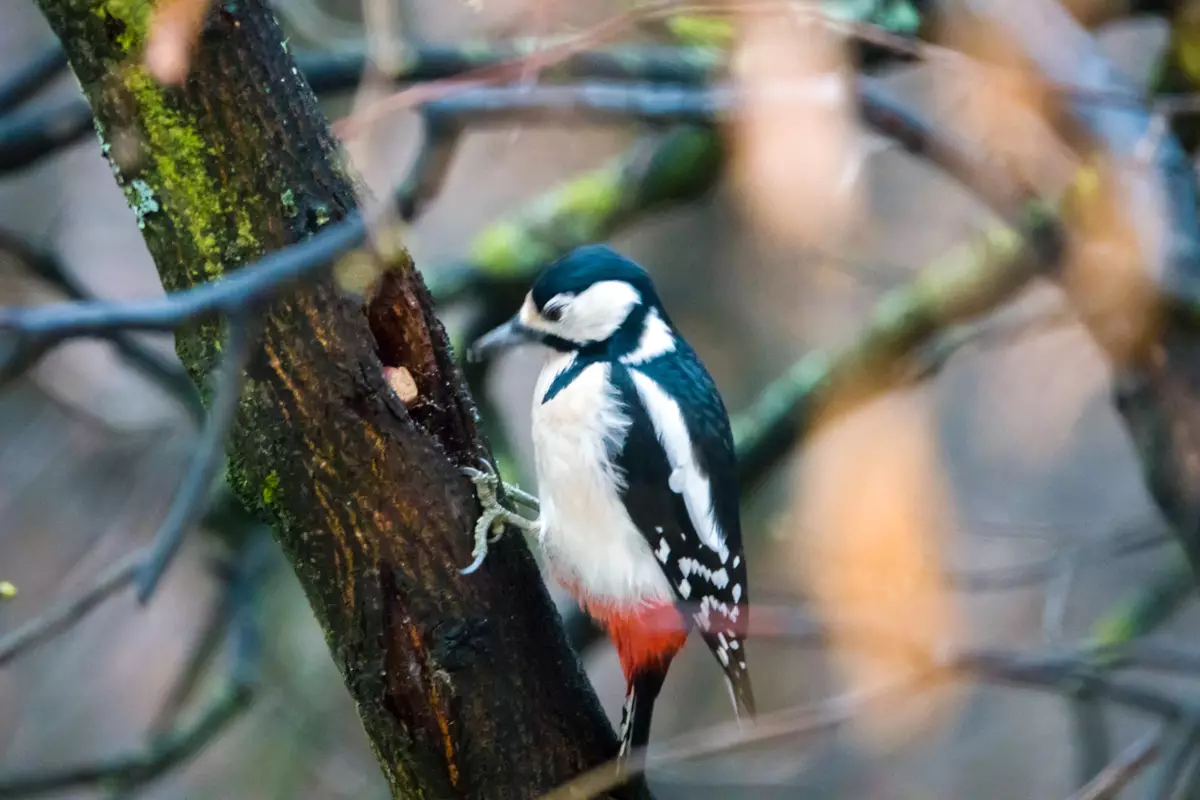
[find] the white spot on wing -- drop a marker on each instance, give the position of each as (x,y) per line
(718,578)
(656,340)
(664,549)
(685,589)
(693,483)
(737,593)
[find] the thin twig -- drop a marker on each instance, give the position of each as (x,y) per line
(28,135)
(807,720)
(32,77)
(186,738)
(167,373)
(70,610)
(1093,737)
(1174,760)
(440,139)
(191,499)
(1109,782)
(237,292)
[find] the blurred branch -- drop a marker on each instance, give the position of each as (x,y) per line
(29,135)
(961,285)
(672,168)
(1093,737)
(167,373)
(680,166)
(72,609)
(932,665)
(339,71)
(253,554)
(1109,782)
(186,738)
(1150,606)
(1182,746)
(141,766)
(192,496)
(439,141)
(32,77)
(1136,283)
(805,720)
(238,292)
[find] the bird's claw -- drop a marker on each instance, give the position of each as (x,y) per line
(490,525)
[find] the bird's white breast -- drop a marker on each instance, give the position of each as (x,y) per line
(588,536)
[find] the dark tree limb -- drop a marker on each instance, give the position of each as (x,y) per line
(1109,782)
(1137,231)
(440,137)
(466,686)
(32,77)
(192,497)
(71,609)
(166,372)
(29,135)
(183,738)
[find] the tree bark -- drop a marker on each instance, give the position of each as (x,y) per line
(465,684)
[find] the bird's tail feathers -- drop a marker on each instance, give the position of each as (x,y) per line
(742,694)
(641,690)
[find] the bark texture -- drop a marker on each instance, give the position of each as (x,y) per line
(465,684)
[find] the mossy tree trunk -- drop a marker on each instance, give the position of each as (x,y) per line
(465,685)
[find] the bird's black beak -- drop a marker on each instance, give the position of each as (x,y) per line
(508,335)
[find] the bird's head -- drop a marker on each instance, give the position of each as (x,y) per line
(592,296)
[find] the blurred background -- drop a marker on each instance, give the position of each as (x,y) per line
(1012,455)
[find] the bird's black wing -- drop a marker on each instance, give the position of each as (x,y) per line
(709,581)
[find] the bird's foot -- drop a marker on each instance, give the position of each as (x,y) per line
(495,516)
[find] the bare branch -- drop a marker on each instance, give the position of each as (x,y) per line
(440,138)
(188,737)
(806,721)
(1172,766)
(32,77)
(167,373)
(72,609)
(28,135)
(235,293)
(1113,778)
(191,499)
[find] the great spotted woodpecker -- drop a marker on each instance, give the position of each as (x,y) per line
(636,474)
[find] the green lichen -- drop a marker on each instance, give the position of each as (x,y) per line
(270,486)
(180,157)
(321,214)
(289,204)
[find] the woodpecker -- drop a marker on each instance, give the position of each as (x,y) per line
(636,474)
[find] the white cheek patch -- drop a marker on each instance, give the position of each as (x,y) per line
(597,312)
(686,476)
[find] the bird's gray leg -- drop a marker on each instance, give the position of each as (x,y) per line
(495,516)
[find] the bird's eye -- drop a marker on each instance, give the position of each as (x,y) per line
(553,313)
